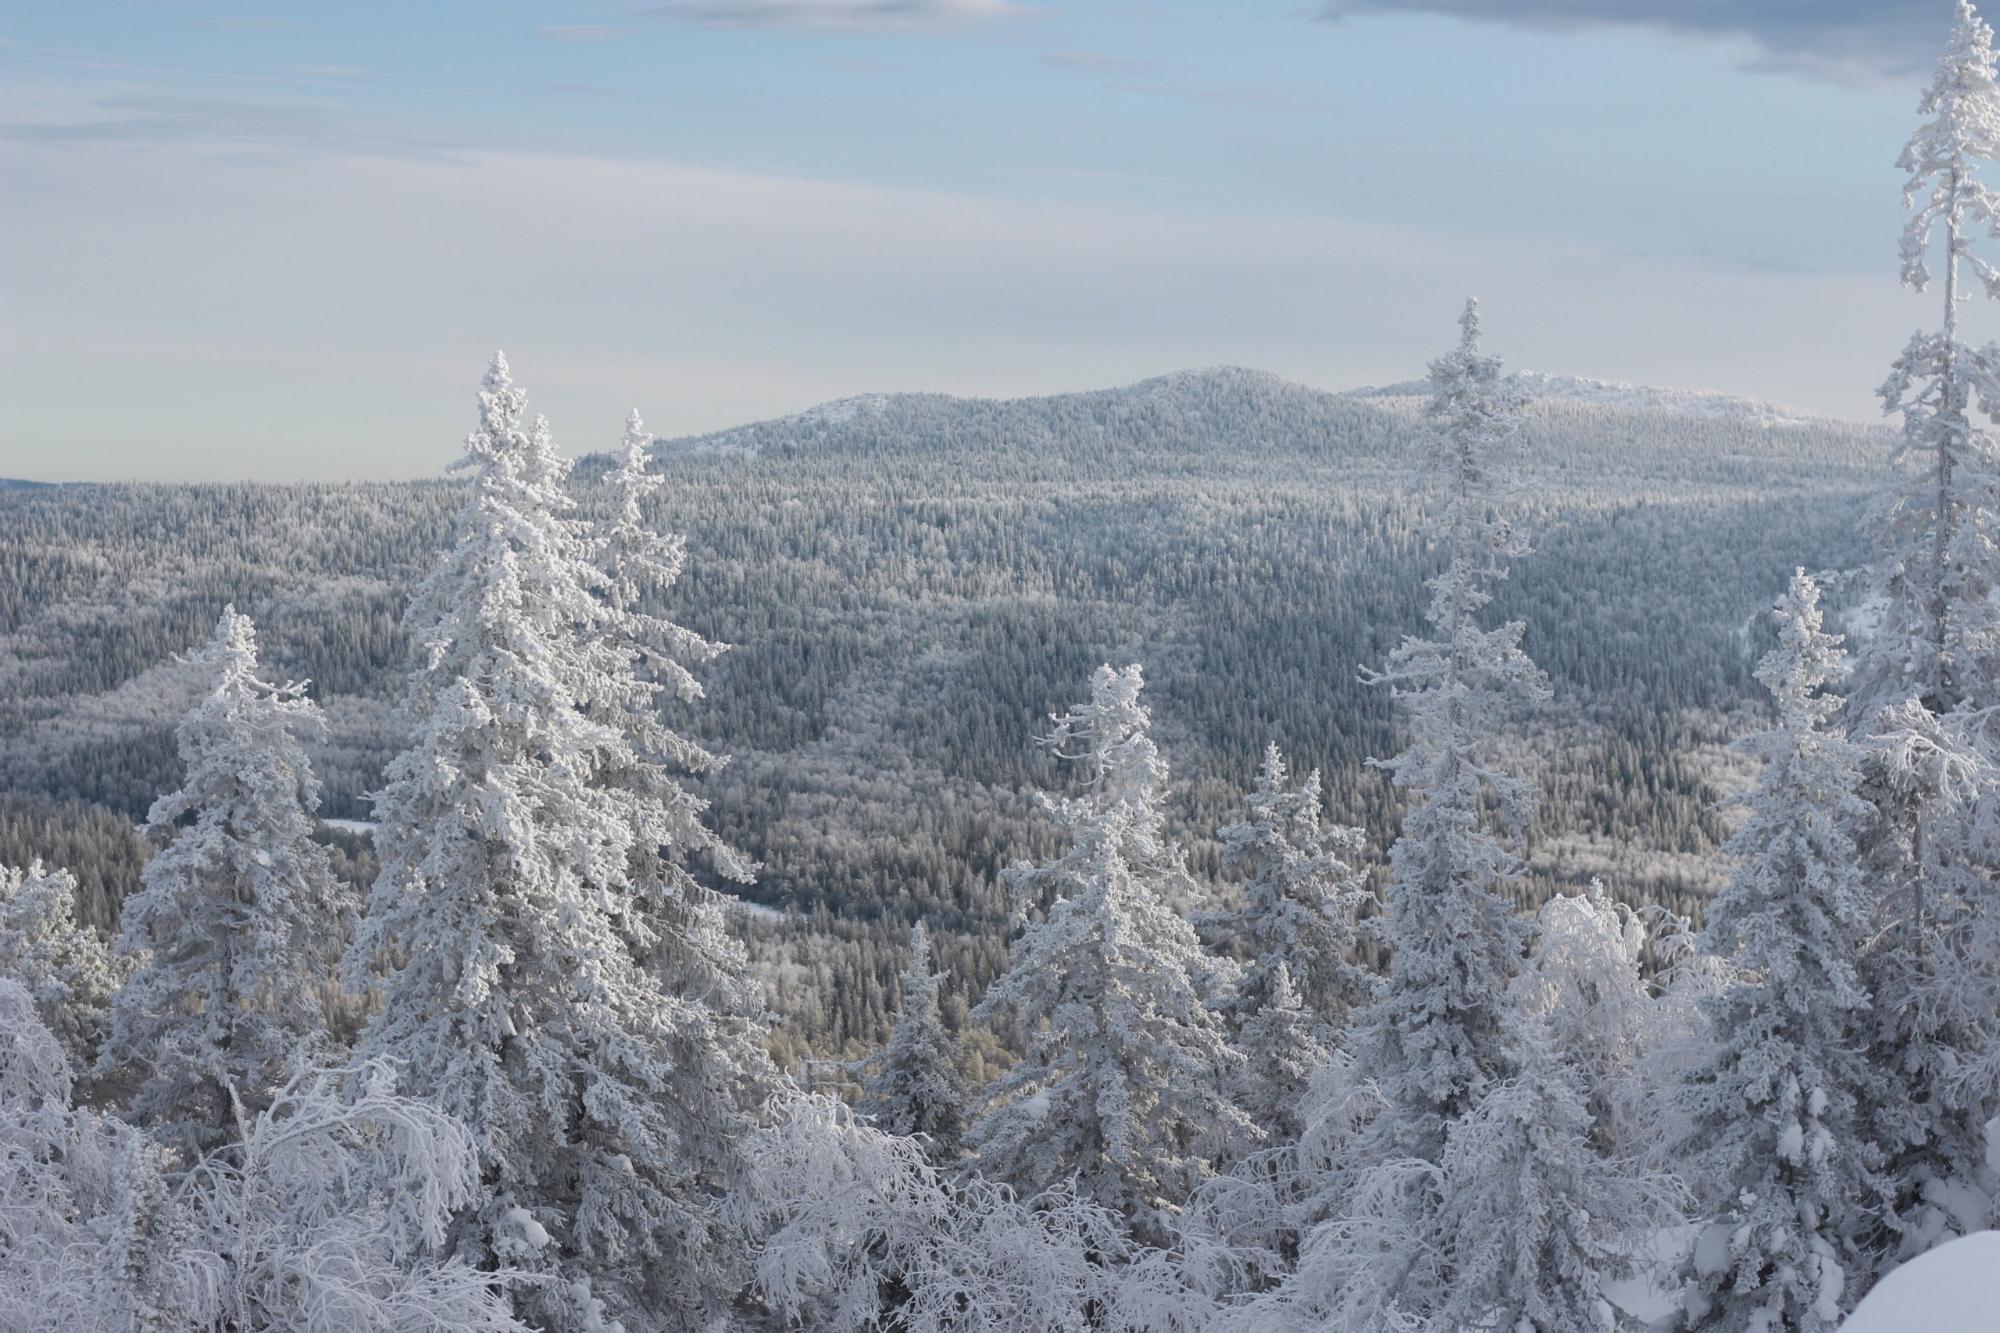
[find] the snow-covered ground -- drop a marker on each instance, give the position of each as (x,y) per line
(758,911)
(1953,1289)
(364,827)
(1650,1298)
(1628,397)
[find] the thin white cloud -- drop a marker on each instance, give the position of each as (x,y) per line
(711,297)
(866,69)
(337,73)
(69,63)
(841,15)
(145,116)
(254,24)
(1095,62)
(1837,38)
(145,105)
(582,32)
(1105,175)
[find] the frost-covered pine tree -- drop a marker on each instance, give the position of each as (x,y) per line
(323,1213)
(64,964)
(1929,678)
(850,1212)
(237,924)
(1432,1039)
(328,1212)
(1585,980)
(151,1285)
(1940,638)
(1299,915)
(639,559)
(683,933)
(1301,894)
(1516,1227)
(1534,1217)
(1124,1075)
(1282,1042)
(545,943)
(914,1086)
(1297,919)
(1929,1033)
(641,563)
(1777,1147)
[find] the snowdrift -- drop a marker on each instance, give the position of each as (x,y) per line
(1953,1289)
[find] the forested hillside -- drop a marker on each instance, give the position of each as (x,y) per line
(1495,853)
(911,583)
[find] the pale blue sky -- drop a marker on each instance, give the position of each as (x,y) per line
(278,241)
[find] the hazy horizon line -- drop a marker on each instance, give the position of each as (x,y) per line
(1357,390)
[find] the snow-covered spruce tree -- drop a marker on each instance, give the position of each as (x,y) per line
(913,1085)
(537,948)
(681,929)
(1517,1225)
(638,558)
(1585,980)
(237,924)
(851,1212)
(61,1170)
(1534,1216)
(1124,1072)
(1301,892)
(65,965)
(322,1214)
(1374,1263)
(1929,678)
(1282,1042)
(1930,1029)
(1777,1147)
(640,564)
(1298,922)
(329,1209)
(1432,1039)
(1940,637)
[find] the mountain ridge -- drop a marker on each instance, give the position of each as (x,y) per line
(1252,395)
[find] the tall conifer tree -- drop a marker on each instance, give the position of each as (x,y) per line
(236,928)
(1777,1140)
(1433,1038)
(1298,921)
(1928,680)
(542,931)
(1124,1075)
(63,963)
(914,1086)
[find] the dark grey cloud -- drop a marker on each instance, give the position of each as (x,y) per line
(1837,38)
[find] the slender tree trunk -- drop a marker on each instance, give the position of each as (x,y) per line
(1950,428)
(1919,907)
